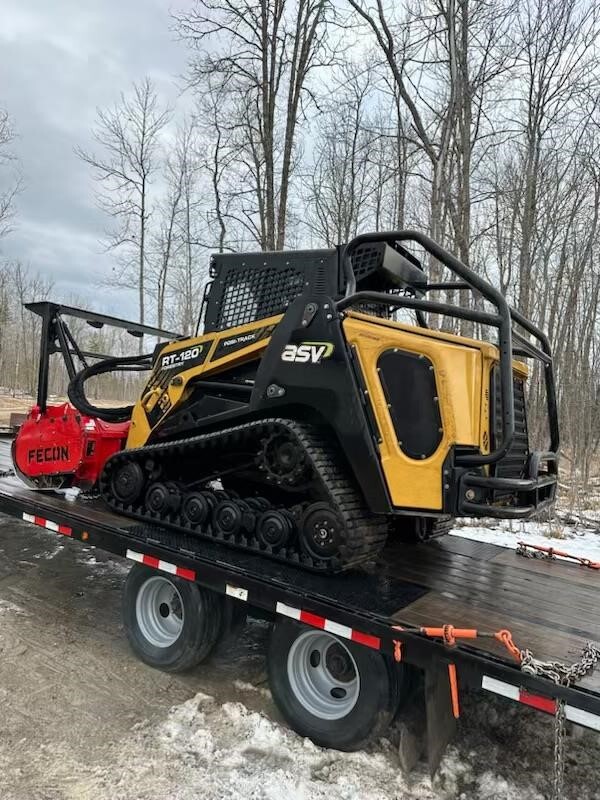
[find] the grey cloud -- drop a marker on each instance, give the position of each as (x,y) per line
(59,61)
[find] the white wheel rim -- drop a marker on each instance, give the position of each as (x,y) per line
(323,675)
(159,611)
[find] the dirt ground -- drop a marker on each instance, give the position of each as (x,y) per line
(82,719)
(69,686)
(10,405)
(22,403)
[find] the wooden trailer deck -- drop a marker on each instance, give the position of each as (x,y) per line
(551,607)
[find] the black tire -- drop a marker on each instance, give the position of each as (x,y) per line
(373,708)
(200,623)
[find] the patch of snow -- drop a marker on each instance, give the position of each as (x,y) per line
(211,750)
(107,565)
(579,541)
(49,554)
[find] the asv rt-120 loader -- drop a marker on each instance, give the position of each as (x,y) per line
(305,422)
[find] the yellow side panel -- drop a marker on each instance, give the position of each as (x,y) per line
(167,388)
(458,369)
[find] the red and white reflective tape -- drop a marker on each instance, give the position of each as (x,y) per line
(327,625)
(48,524)
(164,566)
(547,704)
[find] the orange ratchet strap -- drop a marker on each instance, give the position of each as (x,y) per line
(452,677)
(450,634)
(551,552)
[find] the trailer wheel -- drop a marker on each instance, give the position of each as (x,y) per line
(331,690)
(171,624)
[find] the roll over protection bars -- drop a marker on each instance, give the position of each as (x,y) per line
(502,320)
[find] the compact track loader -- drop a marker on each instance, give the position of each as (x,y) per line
(305,421)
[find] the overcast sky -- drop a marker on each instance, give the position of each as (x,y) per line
(59,61)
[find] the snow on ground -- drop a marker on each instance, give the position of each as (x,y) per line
(102,563)
(579,540)
(218,750)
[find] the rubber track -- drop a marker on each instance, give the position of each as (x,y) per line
(366,533)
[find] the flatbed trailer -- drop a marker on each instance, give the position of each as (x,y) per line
(403,606)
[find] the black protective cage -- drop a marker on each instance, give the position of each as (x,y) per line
(537,488)
(57,337)
(376,271)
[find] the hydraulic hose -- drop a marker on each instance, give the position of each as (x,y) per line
(76,390)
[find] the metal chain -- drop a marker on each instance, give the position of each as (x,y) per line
(551,554)
(562,675)
(522,550)
(559,673)
(558,781)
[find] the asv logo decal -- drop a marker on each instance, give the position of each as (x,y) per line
(307,352)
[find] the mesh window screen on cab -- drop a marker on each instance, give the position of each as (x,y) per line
(408,382)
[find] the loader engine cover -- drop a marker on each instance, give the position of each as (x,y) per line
(60,447)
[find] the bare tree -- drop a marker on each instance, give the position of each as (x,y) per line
(128,136)
(164,240)
(399,49)
(218,154)
(558,55)
(341,183)
(20,329)
(190,272)
(443,63)
(10,181)
(262,58)
(180,236)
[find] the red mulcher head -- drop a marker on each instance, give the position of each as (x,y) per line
(60,447)
(67,445)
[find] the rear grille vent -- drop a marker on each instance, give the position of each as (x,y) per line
(514,463)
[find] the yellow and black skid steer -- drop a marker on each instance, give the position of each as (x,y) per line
(307,423)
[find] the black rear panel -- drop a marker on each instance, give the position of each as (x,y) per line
(514,464)
(408,382)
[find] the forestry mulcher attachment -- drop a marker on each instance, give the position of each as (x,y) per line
(306,422)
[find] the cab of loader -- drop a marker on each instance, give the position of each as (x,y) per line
(423,424)
(246,287)
(452,426)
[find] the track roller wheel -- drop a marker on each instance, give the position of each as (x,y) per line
(229,518)
(275,528)
(127,482)
(163,498)
(321,531)
(196,508)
